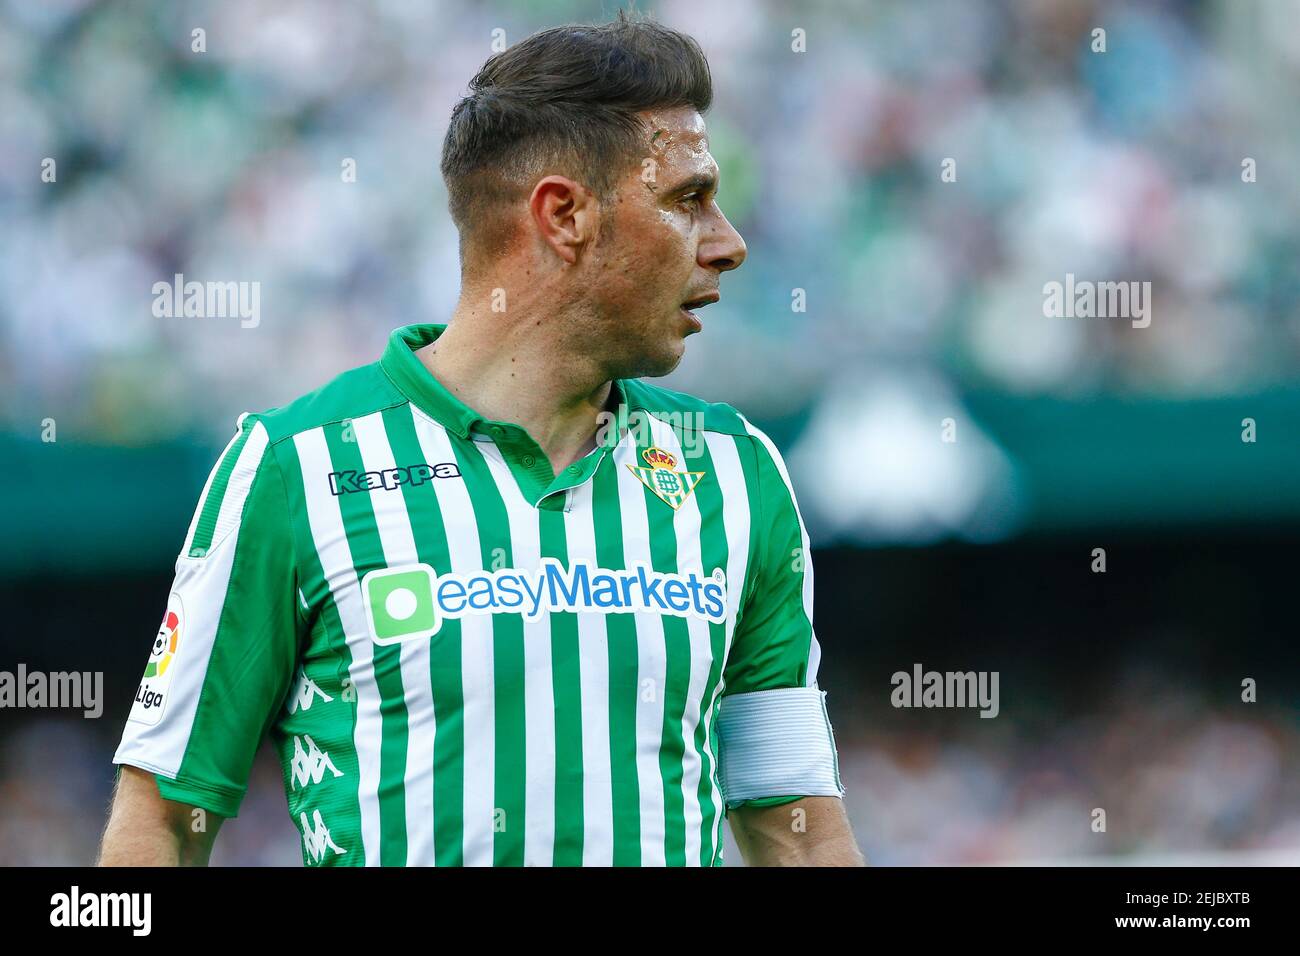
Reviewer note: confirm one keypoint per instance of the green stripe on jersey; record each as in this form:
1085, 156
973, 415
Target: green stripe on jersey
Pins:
211, 508
315, 741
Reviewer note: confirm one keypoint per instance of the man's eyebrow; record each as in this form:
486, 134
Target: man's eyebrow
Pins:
705, 182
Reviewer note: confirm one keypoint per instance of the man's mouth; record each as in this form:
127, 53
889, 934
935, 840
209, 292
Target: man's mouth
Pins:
690, 305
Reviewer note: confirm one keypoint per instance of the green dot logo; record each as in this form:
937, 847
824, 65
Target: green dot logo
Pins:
399, 603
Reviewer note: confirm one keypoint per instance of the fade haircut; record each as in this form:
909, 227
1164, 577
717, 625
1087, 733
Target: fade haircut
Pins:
563, 101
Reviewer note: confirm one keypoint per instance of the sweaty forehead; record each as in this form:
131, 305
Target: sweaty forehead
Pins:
677, 133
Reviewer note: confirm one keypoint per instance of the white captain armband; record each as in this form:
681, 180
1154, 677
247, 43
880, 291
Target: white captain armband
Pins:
776, 743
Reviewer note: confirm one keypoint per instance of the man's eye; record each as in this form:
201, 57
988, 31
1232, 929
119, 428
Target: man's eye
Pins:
693, 200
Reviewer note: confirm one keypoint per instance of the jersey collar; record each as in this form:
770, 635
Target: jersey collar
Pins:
418, 384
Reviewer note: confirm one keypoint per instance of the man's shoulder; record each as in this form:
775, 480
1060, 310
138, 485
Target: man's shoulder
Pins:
352, 394
684, 410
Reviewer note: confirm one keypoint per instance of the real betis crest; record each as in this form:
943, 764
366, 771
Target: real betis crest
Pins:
671, 486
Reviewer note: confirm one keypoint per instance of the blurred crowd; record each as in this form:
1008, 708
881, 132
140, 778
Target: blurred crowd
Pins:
1175, 777
227, 165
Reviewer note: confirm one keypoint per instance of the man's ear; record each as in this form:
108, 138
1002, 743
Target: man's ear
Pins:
566, 215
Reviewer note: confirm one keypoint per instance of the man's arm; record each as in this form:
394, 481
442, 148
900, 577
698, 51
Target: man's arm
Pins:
220, 668
146, 830
774, 731
812, 831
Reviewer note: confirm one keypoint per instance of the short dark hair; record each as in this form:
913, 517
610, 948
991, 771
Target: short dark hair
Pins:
565, 101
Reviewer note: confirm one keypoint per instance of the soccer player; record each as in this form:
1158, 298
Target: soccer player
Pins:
496, 600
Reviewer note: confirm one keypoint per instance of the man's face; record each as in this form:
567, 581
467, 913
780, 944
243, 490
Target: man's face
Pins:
664, 245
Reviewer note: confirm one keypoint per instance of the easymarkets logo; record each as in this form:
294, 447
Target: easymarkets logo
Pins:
411, 601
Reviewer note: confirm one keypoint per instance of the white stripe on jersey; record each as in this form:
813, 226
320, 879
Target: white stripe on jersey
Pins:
593, 656
652, 662
686, 525
479, 692
736, 518
398, 541
326, 522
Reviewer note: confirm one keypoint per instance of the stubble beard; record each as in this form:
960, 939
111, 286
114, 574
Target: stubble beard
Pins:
635, 343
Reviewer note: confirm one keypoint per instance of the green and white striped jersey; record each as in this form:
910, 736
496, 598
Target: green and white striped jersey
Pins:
463, 658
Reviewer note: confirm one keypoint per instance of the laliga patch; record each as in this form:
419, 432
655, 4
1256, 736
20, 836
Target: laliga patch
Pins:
670, 486
151, 695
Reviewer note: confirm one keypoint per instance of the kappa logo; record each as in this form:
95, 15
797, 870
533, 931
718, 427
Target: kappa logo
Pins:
346, 482
304, 692
316, 837
309, 765
670, 486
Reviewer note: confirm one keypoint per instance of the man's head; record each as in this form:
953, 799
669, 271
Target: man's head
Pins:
580, 159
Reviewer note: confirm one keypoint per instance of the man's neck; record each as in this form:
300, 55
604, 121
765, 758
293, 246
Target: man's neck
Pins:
514, 367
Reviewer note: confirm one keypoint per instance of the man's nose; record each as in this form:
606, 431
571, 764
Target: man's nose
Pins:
723, 249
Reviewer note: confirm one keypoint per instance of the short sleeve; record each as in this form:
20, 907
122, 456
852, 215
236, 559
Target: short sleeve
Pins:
774, 645
222, 660
776, 739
